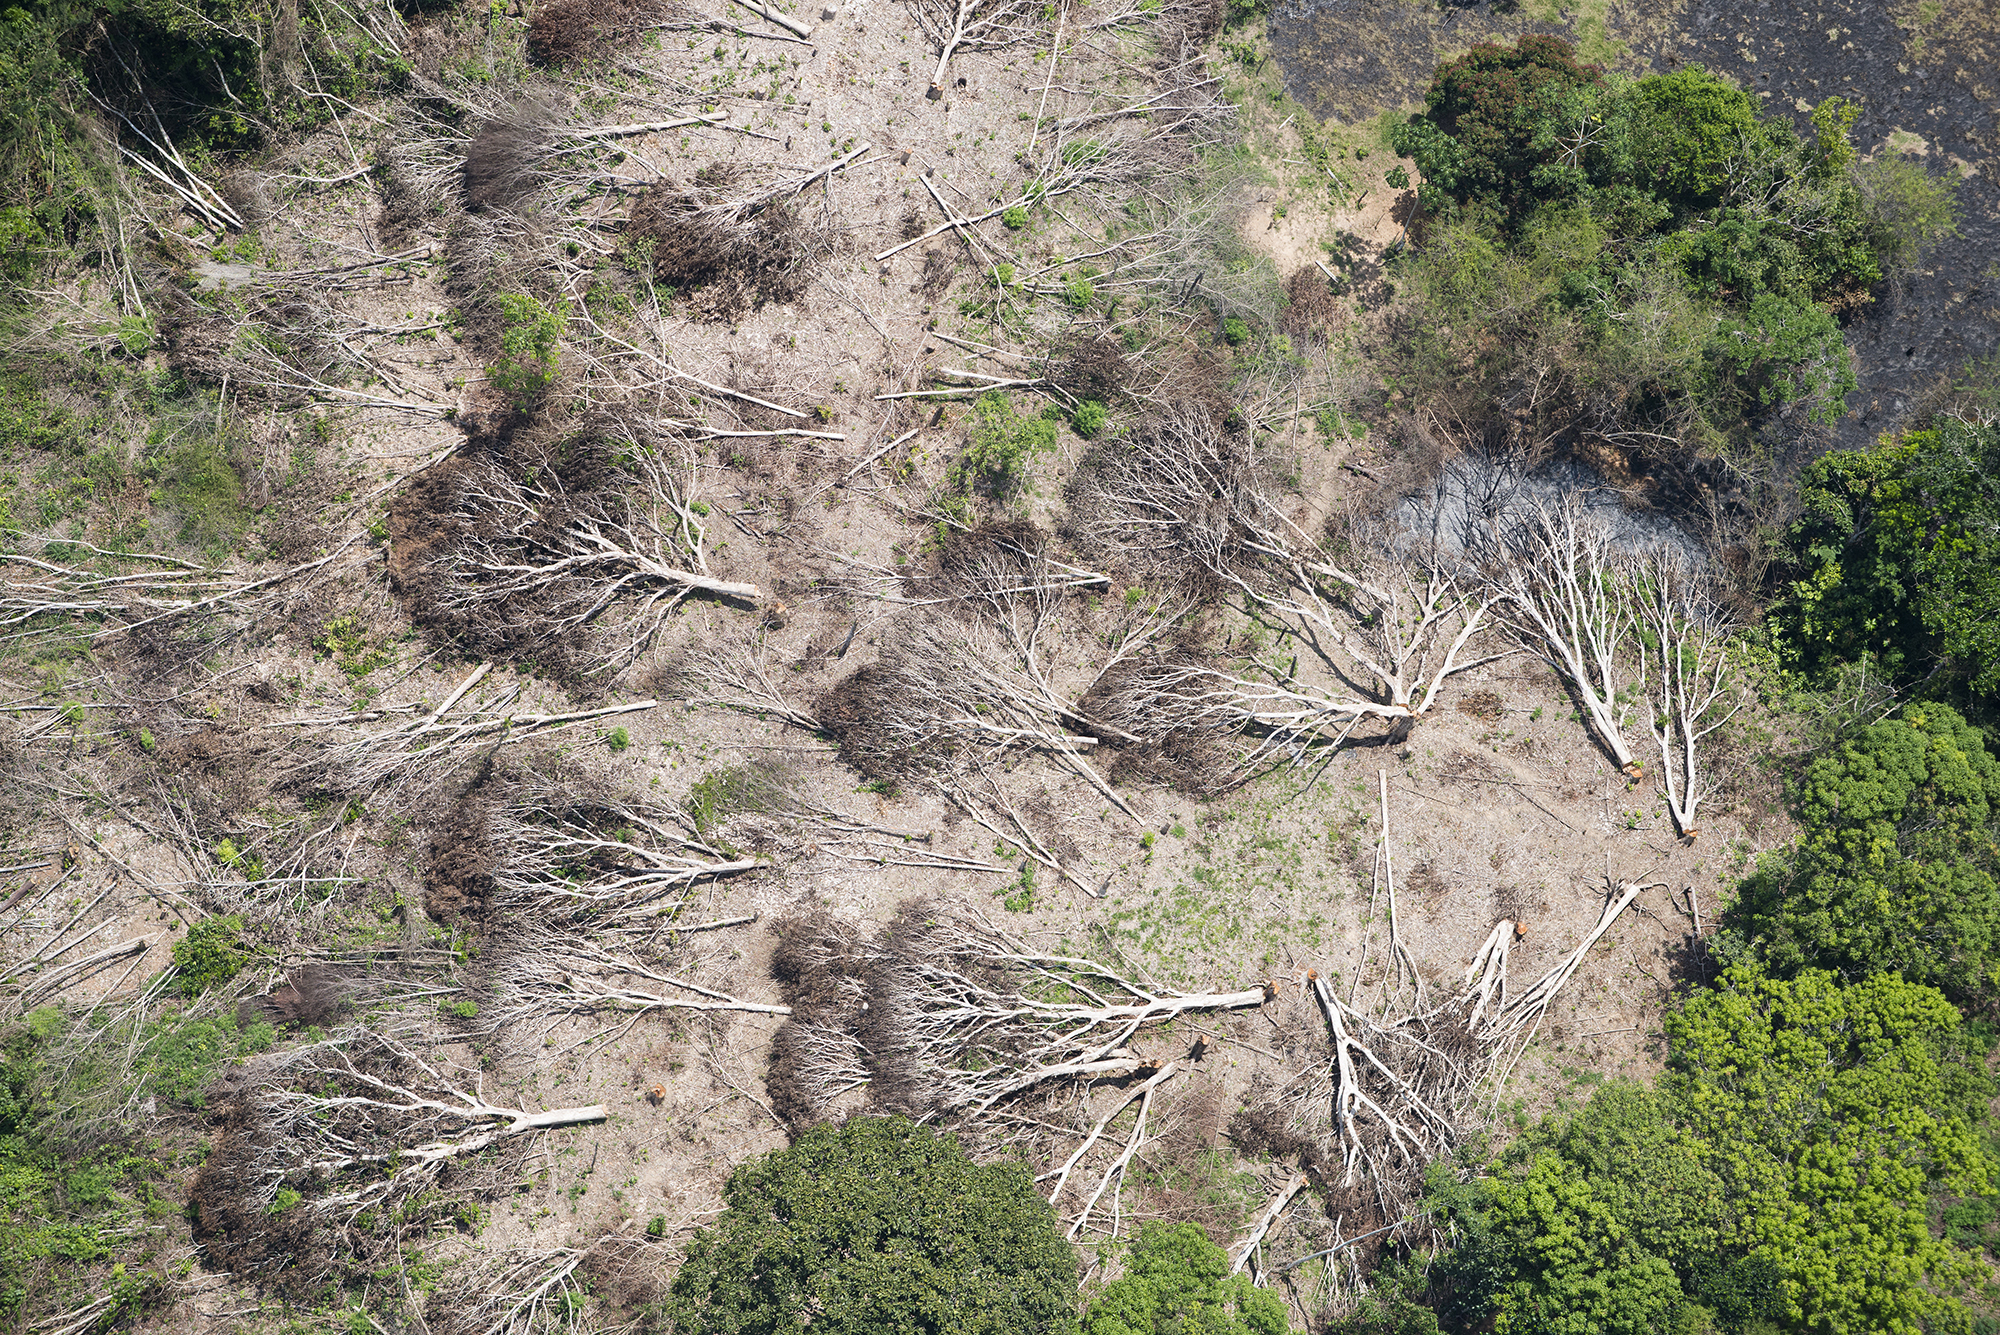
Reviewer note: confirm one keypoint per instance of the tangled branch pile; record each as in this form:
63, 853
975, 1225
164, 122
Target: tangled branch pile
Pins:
943, 1015
573, 558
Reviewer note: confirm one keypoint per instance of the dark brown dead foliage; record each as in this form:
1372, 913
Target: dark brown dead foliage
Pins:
1312, 311
501, 163
404, 211
1094, 368
1482, 705
851, 713
312, 994
725, 258
844, 989
1264, 1129
458, 871
230, 1224
435, 518
568, 32
625, 1276
197, 340
212, 770
1183, 1166
940, 264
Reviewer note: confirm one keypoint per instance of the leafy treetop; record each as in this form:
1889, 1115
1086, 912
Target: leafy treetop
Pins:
878, 1225
1177, 1282
1895, 870
1778, 1177
1898, 554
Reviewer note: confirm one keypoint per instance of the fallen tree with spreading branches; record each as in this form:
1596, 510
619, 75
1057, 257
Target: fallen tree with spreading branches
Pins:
345, 1128
1356, 644
943, 1015
1562, 590
1686, 636
576, 563
368, 750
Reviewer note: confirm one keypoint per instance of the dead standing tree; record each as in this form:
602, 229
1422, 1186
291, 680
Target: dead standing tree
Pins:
1566, 596
1686, 635
1384, 638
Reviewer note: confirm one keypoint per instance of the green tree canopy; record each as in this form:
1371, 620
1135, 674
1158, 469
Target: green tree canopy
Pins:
1898, 557
1690, 249
879, 1226
1831, 1114
1493, 120
1778, 1177
1895, 867
1177, 1282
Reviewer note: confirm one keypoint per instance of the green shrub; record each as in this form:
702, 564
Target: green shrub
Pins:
1817, 1100
1236, 13
1079, 293
1176, 1282
195, 476
1000, 448
181, 1054
1014, 218
62, 1211
877, 1225
210, 954
1235, 331
618, 739
1088, 419
460, 1010
1656, 246
529, 339
720, 794
1909, 208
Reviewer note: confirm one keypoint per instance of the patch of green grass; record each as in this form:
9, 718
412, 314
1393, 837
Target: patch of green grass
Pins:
65, 1212
345, 640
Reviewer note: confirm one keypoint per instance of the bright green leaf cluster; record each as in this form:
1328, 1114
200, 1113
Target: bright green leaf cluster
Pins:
1778, 1177
1896, 867
1177, 1282
877, 1225
1898, 558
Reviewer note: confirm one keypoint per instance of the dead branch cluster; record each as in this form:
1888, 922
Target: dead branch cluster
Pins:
584, 895
729, 242
412, 747
943, 1015
346, 1127
571, 560
1627, 624
986, 665
1192, 503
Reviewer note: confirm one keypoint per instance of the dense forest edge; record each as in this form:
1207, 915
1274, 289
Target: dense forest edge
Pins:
568, 563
